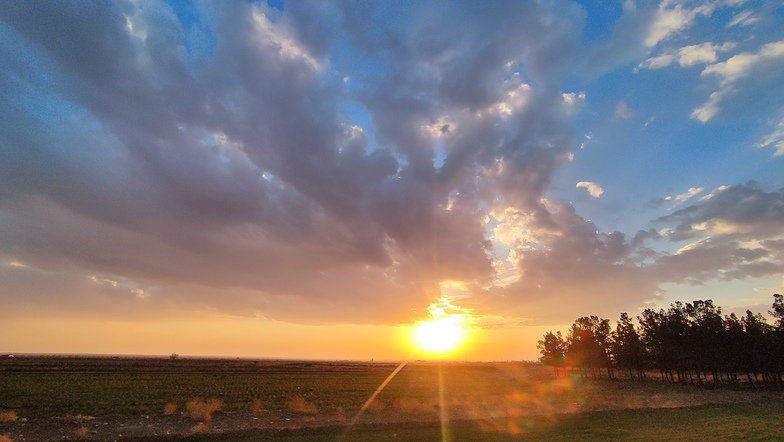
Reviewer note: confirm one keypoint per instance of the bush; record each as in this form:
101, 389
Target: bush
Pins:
300, 405
169, 408
201, 410
7, 416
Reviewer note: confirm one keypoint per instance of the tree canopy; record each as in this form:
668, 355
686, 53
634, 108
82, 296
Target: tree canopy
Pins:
687, 342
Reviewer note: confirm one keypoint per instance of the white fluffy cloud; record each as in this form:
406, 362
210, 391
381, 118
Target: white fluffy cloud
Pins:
674, 16
692, 192
593, 189
687, 56
767, 60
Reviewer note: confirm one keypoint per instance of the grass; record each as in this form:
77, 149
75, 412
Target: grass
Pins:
747, 422
483, 401
100, 387
103, 386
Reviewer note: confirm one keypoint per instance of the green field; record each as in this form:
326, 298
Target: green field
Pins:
104, 386
760, 422
70, 398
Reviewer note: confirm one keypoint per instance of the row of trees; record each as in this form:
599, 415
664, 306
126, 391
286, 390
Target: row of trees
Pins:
690, 342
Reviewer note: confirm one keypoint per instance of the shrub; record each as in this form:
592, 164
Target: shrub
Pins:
169, 408
300, 405
201, 410
7, 416
256, 406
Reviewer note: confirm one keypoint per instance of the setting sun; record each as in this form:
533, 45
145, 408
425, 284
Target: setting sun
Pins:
439, 335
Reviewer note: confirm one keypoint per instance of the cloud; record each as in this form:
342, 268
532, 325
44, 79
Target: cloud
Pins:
563, 264
743, 18
762, 63
741, 65
680, 198
622, 111
220, 170
593, 189
741, 210
735, 233
711, 108
775, 139
687, 56
651, 32
692, 192
586, 139
152, 168
645, 26
673, 17
714, 192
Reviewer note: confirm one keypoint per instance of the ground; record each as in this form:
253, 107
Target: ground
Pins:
56, 399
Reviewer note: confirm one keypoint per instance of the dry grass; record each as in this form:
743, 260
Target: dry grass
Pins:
200, 410
169, 409
7, 416
340, 414
256, 406
375, 407
414, 406
300, 405
83, 418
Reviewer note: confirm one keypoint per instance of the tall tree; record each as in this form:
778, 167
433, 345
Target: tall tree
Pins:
627, 349
553, 350
588, 345
778, 311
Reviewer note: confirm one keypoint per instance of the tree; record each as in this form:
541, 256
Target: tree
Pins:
707, 336
777, 338
778, 311
691, 341
755, 349
627, 348
553, 350
588, 345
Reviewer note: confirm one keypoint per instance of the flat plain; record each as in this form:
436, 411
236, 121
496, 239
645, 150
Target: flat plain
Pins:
47, 398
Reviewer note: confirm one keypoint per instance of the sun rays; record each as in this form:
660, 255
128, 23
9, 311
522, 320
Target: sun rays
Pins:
440, 335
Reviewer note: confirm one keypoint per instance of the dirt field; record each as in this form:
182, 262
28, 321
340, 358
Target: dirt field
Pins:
58, 398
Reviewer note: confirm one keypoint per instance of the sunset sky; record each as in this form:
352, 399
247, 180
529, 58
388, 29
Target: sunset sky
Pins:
310, 179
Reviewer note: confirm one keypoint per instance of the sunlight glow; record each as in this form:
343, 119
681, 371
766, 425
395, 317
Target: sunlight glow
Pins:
439, 335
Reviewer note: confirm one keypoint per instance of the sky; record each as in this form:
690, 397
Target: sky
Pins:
310, 179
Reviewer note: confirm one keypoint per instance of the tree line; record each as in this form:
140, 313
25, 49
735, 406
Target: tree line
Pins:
691, 342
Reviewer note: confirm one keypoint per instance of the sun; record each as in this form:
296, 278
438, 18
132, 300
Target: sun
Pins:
439, 335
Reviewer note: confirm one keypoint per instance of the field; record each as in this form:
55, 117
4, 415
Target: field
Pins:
77, 398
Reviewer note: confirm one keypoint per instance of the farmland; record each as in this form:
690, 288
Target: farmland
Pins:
98, 398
